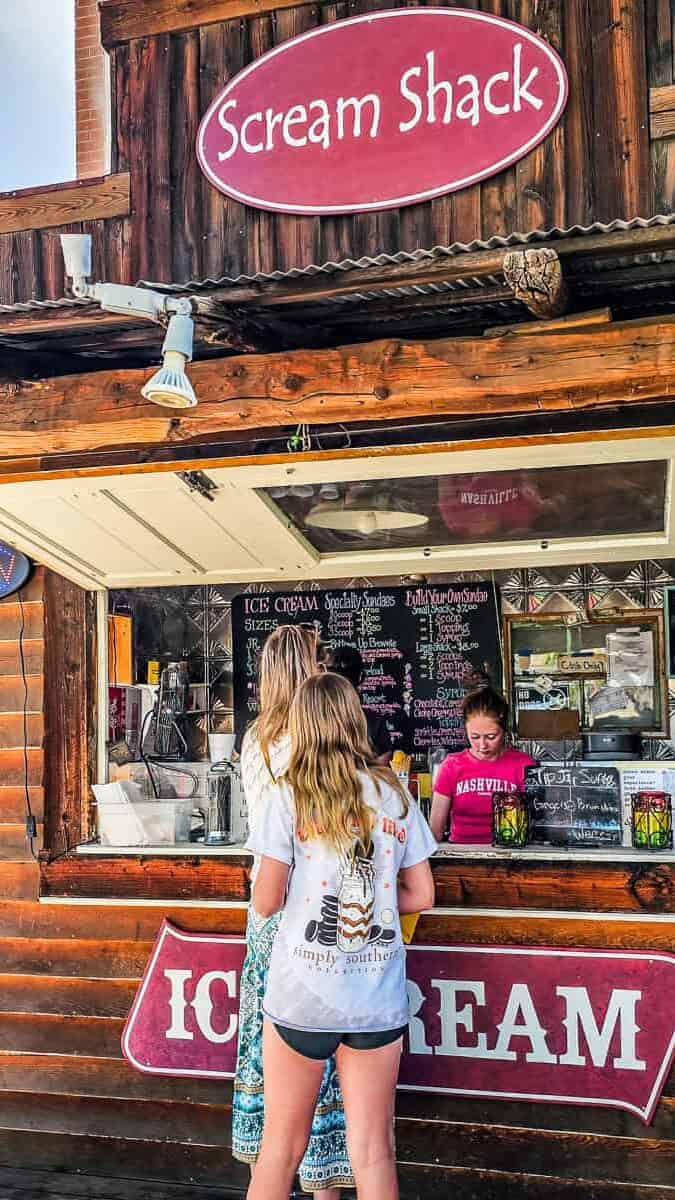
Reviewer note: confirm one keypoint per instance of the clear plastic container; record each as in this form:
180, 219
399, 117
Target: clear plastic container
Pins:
125, 821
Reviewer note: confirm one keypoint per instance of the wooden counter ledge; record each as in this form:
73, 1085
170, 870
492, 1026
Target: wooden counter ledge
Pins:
626, 882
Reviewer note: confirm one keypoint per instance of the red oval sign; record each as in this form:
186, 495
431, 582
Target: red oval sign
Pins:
382, 110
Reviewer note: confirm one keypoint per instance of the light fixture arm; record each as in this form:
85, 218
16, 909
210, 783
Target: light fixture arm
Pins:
170, 386
134, 301
115, 297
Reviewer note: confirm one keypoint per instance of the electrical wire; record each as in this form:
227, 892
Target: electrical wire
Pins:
165, 766
144, 757
30, 818
348, 436
114, 645
147, 759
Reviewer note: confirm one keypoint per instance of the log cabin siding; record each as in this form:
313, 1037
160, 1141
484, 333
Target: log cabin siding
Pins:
597, 165
68, 1101
68, 976
21, 733
69, 970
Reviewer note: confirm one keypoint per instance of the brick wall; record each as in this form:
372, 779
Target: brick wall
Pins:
91, 92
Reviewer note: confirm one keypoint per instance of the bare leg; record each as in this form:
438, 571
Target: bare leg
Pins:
292, 1085
322, 1194
368, 1081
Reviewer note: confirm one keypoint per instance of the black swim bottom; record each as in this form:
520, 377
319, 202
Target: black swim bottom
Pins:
321, 1045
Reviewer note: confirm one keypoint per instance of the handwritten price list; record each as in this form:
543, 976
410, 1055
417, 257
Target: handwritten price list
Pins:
418, 646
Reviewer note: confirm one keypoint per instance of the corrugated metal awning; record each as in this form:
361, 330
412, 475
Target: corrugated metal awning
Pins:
402, 257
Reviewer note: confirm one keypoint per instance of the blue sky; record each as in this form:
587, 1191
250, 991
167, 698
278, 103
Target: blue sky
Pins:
37, 100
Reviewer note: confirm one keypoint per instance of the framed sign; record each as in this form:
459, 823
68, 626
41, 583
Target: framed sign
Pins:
14, 569
381, 111
574, 804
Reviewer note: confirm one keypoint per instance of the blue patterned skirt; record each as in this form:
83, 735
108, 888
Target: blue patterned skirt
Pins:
326, 1164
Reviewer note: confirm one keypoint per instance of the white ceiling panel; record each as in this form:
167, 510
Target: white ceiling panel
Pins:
79, 523
234, 529
150, 528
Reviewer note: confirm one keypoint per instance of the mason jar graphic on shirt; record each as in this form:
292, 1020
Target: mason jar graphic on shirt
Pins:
346, 919
356, 904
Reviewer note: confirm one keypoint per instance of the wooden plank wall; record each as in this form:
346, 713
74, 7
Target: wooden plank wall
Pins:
597, 165
661, 76
67, 978
68, 972
21, 734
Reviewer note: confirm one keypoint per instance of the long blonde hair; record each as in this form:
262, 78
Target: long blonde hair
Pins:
329, 746
288, 657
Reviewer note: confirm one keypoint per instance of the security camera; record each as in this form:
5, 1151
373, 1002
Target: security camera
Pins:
170, 385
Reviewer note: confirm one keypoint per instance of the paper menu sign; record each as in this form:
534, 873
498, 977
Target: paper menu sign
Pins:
642, 777
630, 654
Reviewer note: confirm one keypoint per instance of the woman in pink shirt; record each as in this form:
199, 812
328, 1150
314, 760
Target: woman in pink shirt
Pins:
466, 781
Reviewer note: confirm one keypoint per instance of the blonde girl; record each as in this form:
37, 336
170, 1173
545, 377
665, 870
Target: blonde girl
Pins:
344, 852
289, 656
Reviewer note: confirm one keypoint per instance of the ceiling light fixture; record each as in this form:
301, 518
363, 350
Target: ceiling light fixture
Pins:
363, 519
329, 491
170, 386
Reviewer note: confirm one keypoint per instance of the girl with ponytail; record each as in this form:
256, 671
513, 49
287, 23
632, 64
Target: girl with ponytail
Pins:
465, 783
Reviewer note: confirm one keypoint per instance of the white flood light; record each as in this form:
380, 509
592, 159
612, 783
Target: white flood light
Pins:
170, 385
76, 249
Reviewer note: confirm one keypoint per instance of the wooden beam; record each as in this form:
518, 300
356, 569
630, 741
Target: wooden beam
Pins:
63, 320
481, 263
662, 112
597, 316
662, 126
45, 208
662, 99
69, 710
122, 20
535, 274
579, 369
212, 456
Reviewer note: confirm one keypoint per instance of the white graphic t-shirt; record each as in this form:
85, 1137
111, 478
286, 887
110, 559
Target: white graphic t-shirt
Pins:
338, 962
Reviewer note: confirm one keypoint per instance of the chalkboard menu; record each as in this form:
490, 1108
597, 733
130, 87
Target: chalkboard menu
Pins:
418, 644
574, 805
